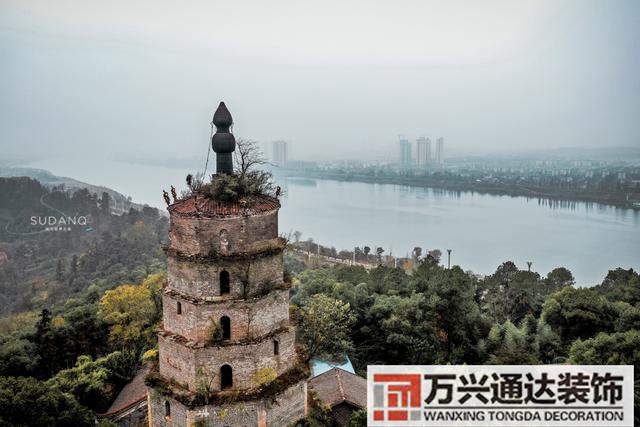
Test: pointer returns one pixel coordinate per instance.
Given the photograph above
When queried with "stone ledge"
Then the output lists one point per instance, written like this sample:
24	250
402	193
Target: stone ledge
226	343
256	250
217	299
298	373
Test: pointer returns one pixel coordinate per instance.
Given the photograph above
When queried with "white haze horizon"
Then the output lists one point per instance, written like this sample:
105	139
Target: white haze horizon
88	79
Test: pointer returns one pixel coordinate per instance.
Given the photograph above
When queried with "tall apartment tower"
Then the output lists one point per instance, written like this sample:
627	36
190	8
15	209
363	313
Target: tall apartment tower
280	153
226	345
440	151
423	152
405	154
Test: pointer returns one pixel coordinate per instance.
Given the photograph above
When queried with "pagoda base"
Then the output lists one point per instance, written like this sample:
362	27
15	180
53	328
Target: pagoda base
281	410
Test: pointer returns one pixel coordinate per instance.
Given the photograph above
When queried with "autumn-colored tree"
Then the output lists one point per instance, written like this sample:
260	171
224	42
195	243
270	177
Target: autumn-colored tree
129	311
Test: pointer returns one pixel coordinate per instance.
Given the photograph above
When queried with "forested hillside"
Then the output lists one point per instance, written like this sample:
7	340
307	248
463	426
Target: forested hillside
79	301
40	268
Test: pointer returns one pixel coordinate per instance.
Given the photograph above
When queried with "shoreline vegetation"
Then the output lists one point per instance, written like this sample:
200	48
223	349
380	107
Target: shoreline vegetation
514	190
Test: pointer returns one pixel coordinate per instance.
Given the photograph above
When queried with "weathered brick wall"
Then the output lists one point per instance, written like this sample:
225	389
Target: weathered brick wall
201	235
250	319
202	279
176	361
182	363
246	360
157	418
289	407
283	411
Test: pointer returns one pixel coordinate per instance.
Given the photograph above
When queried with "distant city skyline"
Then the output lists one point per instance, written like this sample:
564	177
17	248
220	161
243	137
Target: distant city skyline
420	157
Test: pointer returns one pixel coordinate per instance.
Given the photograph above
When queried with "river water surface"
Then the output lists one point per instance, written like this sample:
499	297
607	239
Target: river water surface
482	230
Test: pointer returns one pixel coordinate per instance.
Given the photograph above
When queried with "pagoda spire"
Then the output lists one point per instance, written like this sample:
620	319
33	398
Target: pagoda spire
223	141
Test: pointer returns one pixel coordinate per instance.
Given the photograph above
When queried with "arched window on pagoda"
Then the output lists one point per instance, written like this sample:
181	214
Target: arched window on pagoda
225	283
226	377
225	324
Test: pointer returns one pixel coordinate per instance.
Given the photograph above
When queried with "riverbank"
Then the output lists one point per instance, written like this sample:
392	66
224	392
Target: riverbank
604	198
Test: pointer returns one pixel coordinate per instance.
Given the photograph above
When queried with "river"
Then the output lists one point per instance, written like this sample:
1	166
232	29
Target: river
481	230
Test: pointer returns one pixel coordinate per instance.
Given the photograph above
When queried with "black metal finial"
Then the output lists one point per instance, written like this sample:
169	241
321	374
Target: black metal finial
223	141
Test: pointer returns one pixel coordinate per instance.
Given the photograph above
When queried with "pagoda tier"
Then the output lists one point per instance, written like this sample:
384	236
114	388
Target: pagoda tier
226	305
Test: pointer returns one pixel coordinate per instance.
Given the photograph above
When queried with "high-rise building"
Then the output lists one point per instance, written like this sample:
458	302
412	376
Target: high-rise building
405	153
280	153
423	152
225	316
440	151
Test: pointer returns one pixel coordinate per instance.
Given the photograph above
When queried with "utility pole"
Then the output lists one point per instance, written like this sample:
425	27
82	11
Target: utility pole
449	259
529	264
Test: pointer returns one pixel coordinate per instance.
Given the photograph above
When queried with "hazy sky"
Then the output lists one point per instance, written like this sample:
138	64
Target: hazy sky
105	78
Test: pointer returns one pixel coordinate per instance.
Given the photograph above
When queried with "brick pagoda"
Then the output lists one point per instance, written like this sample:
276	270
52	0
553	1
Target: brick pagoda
227	352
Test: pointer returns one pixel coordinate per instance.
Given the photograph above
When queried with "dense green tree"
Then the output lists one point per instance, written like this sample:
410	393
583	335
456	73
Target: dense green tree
512	294
325	325
460	325
402	330
510	345
621	285
27	402
559	278
620	348
18	356
629	317
94	382
87	331
578	313
549	344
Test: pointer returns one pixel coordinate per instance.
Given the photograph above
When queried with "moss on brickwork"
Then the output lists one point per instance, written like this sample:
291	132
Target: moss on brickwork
268	391
255	251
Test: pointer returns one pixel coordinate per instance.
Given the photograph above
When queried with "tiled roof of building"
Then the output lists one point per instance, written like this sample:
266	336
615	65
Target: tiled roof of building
131	394
337	385
199	205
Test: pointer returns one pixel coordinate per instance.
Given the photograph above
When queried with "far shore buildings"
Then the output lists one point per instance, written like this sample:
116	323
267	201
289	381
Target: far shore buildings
423	152
227	351
280	153
440	152
424	158
406	160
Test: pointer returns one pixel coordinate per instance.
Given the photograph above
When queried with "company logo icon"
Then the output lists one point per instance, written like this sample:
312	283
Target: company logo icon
396	397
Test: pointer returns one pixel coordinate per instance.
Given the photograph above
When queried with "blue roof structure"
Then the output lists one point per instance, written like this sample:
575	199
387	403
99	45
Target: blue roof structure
320	366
